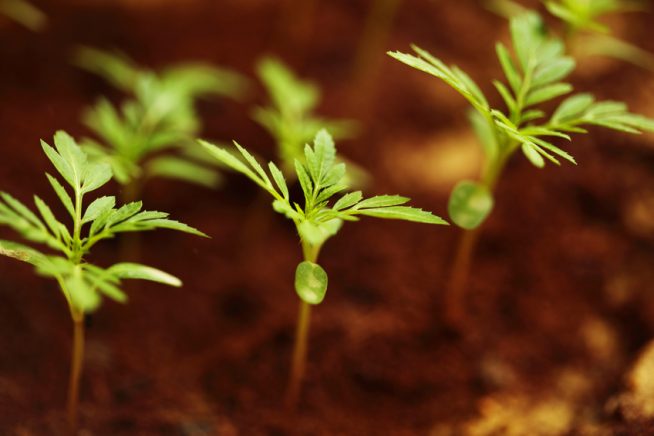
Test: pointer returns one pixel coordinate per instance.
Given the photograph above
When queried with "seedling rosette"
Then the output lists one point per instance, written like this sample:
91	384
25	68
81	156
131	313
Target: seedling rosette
535	74
317	220
152	133
82	283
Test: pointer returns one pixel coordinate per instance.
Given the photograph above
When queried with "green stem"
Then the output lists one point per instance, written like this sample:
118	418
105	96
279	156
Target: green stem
299	360
77	358
455	297
77	229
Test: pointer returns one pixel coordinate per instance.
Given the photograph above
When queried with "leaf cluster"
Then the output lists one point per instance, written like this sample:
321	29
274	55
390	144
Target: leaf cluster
81	282
586	14
320	215
290	118
321	179
535	73
159	116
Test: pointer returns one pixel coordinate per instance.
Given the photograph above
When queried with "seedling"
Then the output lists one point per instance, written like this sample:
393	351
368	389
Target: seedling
151	134
290	117
534	74
321	178
82	284
584	32
24	13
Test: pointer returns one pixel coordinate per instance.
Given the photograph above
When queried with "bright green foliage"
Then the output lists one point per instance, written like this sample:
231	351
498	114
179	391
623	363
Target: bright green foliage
585	14
310	282
82	283
470	204
159	117
584	27
535	74
290	117
321	178
24	13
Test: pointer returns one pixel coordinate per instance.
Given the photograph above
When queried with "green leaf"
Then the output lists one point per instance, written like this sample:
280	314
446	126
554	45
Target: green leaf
22	210
82	295
534	157
95	175
310	282
98	207
62	194
143	272
508	67
317	233
553	71
279	179
348	200
381	201
405	213
53	224
546	93
173	167
73	156
21	252
470	204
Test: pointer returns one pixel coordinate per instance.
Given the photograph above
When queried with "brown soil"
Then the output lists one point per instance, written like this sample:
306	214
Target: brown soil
560	297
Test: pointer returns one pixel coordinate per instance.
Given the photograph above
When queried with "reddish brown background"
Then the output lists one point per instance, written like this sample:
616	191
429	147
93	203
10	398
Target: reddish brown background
561	295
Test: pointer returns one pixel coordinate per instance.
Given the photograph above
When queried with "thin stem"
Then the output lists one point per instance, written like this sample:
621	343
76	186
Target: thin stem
298	363
77	229
455	313
77	358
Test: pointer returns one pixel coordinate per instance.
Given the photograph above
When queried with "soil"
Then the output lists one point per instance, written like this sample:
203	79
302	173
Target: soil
561	301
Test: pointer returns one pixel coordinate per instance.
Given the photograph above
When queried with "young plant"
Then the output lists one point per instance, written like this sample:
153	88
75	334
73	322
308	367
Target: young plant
82	283
150	135
321	178
534	76
290	117
585	33
24	13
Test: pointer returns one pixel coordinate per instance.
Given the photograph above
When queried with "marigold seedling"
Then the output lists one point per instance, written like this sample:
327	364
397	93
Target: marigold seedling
82	283
585	32
534	76
321	178
159	117
290	117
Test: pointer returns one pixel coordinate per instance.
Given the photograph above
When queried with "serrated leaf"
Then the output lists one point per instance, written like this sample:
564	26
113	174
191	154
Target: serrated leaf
470	204
404	213
62	194
73	155
278	177
22	210
572	107
348	200
546	93
310	282
553	71
381	201
95	175
98	207
53	224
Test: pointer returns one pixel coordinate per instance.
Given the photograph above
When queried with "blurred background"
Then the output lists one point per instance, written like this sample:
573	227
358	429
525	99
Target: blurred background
560	296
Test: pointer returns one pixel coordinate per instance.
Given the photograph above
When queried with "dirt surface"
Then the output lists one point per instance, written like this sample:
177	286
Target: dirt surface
561	301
